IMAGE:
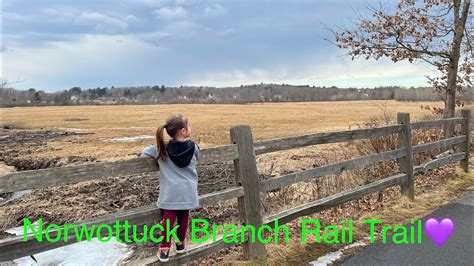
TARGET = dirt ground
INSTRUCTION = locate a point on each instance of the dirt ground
(58, 136)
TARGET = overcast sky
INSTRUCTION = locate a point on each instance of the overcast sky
(55, 45)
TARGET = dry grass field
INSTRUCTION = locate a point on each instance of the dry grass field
(96, 125)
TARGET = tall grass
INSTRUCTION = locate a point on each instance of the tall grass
(317, 188)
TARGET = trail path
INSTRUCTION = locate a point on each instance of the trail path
(457, 250)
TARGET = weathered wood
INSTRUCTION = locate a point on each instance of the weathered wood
(24, 180)
(218, 154)
(439, 162)
(273, 145)
(246, 176)
(14, 247)
(335, 168)
(436, 123)
(219, 196)
(334, 200)
(406, 163)
(438, 144)
(192, 254)
(466, 130)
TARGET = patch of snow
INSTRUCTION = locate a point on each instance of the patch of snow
(15, 195)
(333, 256)
(76, 130)
(4, 136)
(83, 253)
(18, 231)
(131, 139)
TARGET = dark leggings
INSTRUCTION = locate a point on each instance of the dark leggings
(182, 220)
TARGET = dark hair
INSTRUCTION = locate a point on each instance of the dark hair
(173, 124)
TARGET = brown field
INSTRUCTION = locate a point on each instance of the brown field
(210, 123)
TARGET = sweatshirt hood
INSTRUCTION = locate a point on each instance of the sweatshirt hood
(180, 152)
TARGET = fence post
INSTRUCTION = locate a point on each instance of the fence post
(246, 175)
(466, 130)
(406, 163)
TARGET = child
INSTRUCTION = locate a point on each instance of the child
(178, 178)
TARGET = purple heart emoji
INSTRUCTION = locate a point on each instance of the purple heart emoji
(439, 232)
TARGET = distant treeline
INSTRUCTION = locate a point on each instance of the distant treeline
(192, 94)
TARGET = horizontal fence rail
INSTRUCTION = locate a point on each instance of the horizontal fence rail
(242, 151)
(439, 162)
(334, 200)
(285, 180)
(437, 123)
(439, 144)
(66, 175)
(274, 145)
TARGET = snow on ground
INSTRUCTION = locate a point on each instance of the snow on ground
(15, 195)
(131, 139)
(333, 256)
(82, 253)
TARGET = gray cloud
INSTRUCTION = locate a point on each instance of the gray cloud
(170, 13)
(58, 44)
(101, 22)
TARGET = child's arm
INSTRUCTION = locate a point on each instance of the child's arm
(150, 151)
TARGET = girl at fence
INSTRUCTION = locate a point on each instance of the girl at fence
(178, 178)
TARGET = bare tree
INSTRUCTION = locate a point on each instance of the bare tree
(4, 82)
(434, 32)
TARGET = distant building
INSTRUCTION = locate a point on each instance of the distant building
(74, 99)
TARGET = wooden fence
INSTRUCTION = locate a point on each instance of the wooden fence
(248, 187)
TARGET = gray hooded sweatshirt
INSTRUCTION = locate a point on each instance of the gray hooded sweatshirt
(178, 176)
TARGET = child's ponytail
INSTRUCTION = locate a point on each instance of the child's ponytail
(173, 124)
(160, 142)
